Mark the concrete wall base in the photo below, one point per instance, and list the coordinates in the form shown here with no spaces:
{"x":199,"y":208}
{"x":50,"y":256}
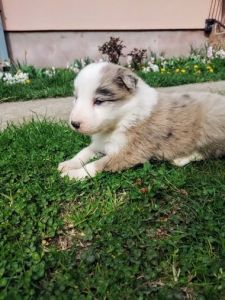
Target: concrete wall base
{"x":59,"y":48}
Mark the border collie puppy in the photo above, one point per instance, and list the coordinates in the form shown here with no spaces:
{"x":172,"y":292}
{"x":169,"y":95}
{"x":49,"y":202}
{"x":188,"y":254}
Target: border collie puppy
{"x":130,"y":123}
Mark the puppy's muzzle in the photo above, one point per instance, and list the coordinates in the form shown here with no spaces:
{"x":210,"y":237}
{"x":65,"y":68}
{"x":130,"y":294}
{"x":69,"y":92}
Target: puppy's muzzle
{"x":75,"y":125}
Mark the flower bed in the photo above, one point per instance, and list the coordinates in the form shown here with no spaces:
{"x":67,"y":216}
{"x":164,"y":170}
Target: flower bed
{"x":22,"y":82}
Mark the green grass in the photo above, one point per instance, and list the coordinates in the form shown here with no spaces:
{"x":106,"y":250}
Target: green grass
{"x":166,"y":80}
{"x":61,"y":84}
{"x":152,"y":232}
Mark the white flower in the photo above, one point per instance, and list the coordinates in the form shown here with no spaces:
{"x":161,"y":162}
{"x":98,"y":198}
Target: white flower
{"x":152,"y":59}
{"x":146,"y":69}
{"x":47,"y":72}
{"x":220,"y":53}
{"x":83,"y":64}
{"x":164,"y":63}
{"x":150,"y":68}
{"x":50,"y":72}
{"x":8,"y":77}
{"x":74,"y":69}
{"x":153,"y":67}
{"x":19,"y":77}
{"x":210,"y":52}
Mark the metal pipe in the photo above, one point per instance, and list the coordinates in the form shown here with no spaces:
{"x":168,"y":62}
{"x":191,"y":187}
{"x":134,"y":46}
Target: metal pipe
{"x":223,"y":11}
{"x":3,"y":48}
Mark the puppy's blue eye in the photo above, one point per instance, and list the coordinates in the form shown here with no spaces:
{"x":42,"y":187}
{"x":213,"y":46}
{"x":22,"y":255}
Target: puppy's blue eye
{"x":98,"y":102}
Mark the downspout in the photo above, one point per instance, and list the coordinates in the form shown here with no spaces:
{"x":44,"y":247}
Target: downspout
{"x":3,"y":48}
{"x":223,"y":11}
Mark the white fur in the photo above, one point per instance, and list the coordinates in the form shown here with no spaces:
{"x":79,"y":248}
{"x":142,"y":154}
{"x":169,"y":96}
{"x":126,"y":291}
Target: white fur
{"x":96,"y":121}
{"x":182,"y":161}
{"x":78,"y":161}
{"x":85,"y":171}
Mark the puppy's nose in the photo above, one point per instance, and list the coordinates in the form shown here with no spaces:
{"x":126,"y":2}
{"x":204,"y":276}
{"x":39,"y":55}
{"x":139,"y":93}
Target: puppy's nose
{"x":76,"y":125}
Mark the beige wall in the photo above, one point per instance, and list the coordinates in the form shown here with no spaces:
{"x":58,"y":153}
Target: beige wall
{"x":59,"y":48}
{"x":28,"y":15}
{"x":55,"y":32}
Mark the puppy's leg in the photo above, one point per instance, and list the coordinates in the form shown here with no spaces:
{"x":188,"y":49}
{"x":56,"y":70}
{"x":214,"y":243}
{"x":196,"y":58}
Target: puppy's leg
{"x":78,"y":160}
{"x":111,"y":163}
{"x":182,"y":161}
{"x":89,"y":170}
{"x":125,"y":160}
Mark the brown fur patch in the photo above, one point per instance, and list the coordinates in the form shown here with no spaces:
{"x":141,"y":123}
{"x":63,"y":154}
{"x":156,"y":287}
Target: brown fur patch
{"x":174,"y":130}
{"x":117,"y":83}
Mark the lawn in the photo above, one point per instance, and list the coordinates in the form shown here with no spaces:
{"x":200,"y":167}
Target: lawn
{"x":152,"y":232}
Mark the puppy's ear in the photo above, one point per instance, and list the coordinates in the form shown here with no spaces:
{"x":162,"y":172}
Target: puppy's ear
{"x":126,"y":79}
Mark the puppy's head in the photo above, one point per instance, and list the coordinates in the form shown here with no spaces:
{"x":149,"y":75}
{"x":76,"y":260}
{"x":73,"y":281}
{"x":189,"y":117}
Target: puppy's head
{"x":102,"y":95}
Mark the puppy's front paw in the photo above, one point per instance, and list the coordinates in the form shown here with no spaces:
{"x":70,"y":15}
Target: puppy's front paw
{"x":67,"y":165}
{"x":78,"y":174}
